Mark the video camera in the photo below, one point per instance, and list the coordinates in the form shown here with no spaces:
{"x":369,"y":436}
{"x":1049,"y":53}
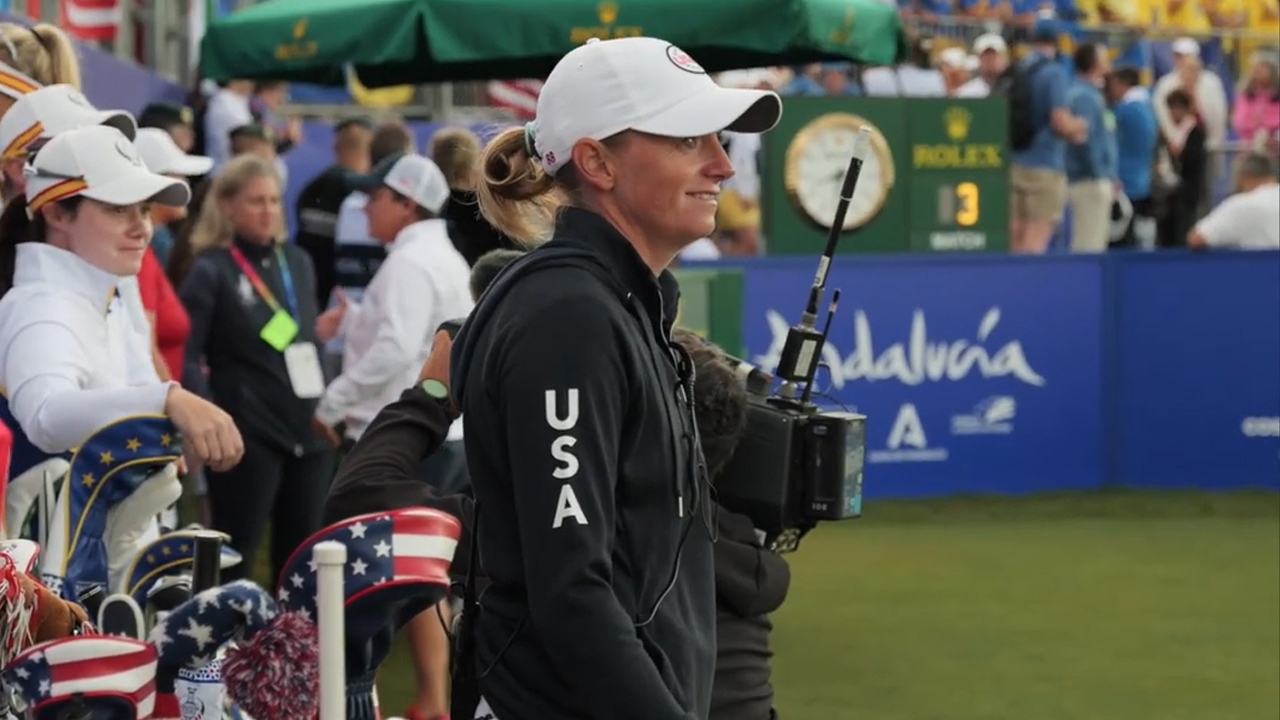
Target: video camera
{"x":798,"y":465}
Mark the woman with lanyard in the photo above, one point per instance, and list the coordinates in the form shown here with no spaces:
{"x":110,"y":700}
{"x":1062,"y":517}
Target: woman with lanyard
{"x":593,"y":508}
{"x":30,"y":58}
{"x":252,"y":302}
{"x":70,"y":358}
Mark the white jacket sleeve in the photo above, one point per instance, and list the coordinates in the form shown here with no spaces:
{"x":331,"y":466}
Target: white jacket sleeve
{"x":402,"y":325}
{"x":47,"y":395}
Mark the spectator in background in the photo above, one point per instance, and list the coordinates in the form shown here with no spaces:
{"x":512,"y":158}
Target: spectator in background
{"x":807,"y":82}
{"x":251,"y":298}
{"x":268,"y":98}
{"x":953,"y":63}
{"x":227,"y":110}
{"x":254,"y":139}
{"x":1091,"y":166}
{"x":1190,"y":157}
{"x":1249,"y":219}
{"x":162,"y":155}
{"x":356,"y":254}
{"x":456,"y":151}
{"x":1038,"y":176}
{"x":1257,"y":112}
{"x":319,"y":202}
{"x":993,"y":60}
{"x":1208,"y":100}
{"x":177,"y":120}
{"x":836,"y":81}
{"x":1137,"y":135}
{"x":916,"y":78}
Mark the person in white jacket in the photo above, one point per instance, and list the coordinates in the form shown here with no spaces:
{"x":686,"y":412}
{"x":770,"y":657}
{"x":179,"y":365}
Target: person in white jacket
{"x":1206,"y":88}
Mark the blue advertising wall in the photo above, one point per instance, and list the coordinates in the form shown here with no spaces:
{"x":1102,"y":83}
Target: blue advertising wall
{"x":1013,"y":375}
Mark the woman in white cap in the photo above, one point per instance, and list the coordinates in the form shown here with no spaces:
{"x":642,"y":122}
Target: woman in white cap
{"x":68,"y":363}
{"x":594,"y":519}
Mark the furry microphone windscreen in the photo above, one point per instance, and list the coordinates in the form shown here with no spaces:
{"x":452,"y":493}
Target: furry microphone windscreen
{"x":275,"y":675}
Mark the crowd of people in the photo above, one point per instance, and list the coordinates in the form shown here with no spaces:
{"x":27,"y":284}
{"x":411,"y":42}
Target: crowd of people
{"x":145,"y":272}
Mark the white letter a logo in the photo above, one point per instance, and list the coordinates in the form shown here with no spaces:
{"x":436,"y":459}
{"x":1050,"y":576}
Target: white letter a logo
{"x":567,"y":507}
{"x":907,"y":429}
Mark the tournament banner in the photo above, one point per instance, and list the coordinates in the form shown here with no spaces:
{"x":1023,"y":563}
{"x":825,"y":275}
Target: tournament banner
{"x":976,"y":374}
{"x":1198,"y":371}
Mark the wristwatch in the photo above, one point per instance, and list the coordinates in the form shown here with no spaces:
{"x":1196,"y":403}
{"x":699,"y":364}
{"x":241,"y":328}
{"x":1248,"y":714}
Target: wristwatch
{"x":435,"y":390}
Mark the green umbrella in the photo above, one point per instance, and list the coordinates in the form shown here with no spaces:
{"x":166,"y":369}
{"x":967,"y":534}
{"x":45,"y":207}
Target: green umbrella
{"x":392,"y":42}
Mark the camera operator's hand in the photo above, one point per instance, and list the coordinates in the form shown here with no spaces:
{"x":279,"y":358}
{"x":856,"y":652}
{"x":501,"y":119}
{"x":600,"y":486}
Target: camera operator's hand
{"x":210,"y":434}
{"x":330,"y":321}
{"x":437,"y":365}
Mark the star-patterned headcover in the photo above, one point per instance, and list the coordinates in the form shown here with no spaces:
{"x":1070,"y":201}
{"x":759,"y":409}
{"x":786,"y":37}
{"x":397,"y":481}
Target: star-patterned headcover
{"x":275,"y":644}
{"x":397,"y":566}
{"x":170,"y":554}
{"x":113,"y":677}
{"x":105,"y":470}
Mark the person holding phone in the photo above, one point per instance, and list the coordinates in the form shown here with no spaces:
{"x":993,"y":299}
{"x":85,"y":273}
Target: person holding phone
{"x":422,"y":283}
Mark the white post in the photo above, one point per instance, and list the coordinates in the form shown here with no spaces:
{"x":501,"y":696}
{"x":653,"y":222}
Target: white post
{"x":330,"y":557}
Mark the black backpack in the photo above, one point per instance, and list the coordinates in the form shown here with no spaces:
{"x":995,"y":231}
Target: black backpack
{"x":1015,"y":84}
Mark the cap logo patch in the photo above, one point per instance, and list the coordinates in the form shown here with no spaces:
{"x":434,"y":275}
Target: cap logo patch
{"x":76,"y":98}
{"x":681,"y":59}
{"x":126,"y":149}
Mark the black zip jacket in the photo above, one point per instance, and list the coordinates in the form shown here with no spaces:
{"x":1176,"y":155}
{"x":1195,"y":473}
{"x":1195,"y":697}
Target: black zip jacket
{"x":594,"y":523}
{"x":471,"y":234}
{"x":247,"y":377}
{"x":751,"y":582}
{"x":318,"y":206}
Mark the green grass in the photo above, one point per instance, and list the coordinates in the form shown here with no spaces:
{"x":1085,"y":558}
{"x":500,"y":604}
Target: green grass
{"x":1103,"y":606}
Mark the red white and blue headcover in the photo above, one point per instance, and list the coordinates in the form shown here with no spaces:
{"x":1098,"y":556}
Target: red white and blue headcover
{"x":277,"y":652}
{"x":397,"y":566}
{"x":113,"y":677}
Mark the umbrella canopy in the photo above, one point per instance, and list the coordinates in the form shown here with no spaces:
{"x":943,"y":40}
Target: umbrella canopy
{"x":393,"y":42}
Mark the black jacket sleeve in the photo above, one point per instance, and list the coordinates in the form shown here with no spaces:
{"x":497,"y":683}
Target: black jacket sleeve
{"x":381,"y":471}
{"x":563,"y":398}
{"x":750,"y":579}
{"x":199,"y":295}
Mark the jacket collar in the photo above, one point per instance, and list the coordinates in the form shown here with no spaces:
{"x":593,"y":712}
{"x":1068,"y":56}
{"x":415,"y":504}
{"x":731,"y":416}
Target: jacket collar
{"x":39,"y":263}
{"x":416,"y":232}
{"x":588,"y":231}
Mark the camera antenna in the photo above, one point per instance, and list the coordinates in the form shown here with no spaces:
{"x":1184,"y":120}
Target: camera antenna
{"x":826,"y":330}
{"x":801,"y":352}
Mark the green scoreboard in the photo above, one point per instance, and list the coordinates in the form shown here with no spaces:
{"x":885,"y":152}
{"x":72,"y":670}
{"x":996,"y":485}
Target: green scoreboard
{"x":937,"y":181}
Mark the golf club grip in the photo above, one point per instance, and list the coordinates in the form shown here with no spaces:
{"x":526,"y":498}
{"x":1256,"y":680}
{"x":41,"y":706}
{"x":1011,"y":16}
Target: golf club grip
{"x":206,"y":564}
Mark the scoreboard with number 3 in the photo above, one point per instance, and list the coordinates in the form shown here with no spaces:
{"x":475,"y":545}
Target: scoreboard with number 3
{"x":959,"y":175}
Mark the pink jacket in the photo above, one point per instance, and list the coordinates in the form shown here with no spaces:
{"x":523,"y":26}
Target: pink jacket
{"x":1259,"y":114}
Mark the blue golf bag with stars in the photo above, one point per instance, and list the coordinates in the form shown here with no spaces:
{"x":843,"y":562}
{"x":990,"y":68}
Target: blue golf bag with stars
{"x":119,"y":479}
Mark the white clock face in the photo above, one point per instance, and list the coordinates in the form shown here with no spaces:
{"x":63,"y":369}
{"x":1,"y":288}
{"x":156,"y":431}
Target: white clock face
{"x":819,"y":174}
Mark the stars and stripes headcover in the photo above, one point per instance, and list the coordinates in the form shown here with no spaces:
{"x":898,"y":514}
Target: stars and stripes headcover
{"x":114,"y":677}
{"x":273,"y":672}
{"x":106,"y":469}
{"x":397,"y":566}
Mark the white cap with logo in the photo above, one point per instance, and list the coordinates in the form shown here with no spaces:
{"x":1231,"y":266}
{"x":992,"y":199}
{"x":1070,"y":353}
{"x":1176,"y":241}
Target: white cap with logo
{"x":1186,"y":46}
{"x":990,"y":42}
{"x":51,"y":110}
{"x":413,"y":176}
{"x":644,"y":84}
{"x":162,"y":155}
{"x":100,"y":163}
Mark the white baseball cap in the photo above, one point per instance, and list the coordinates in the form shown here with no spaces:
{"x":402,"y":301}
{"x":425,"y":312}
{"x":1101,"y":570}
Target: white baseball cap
{"x":1186,"y":46}
{"x":639,"y":83}
{"x":954,"y":57}
{"x":162,"y":155}
{"x":412,"y":176}
{"x":992,"y":42}
{"x":43,"y":113}
{"x":100,"y":163}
